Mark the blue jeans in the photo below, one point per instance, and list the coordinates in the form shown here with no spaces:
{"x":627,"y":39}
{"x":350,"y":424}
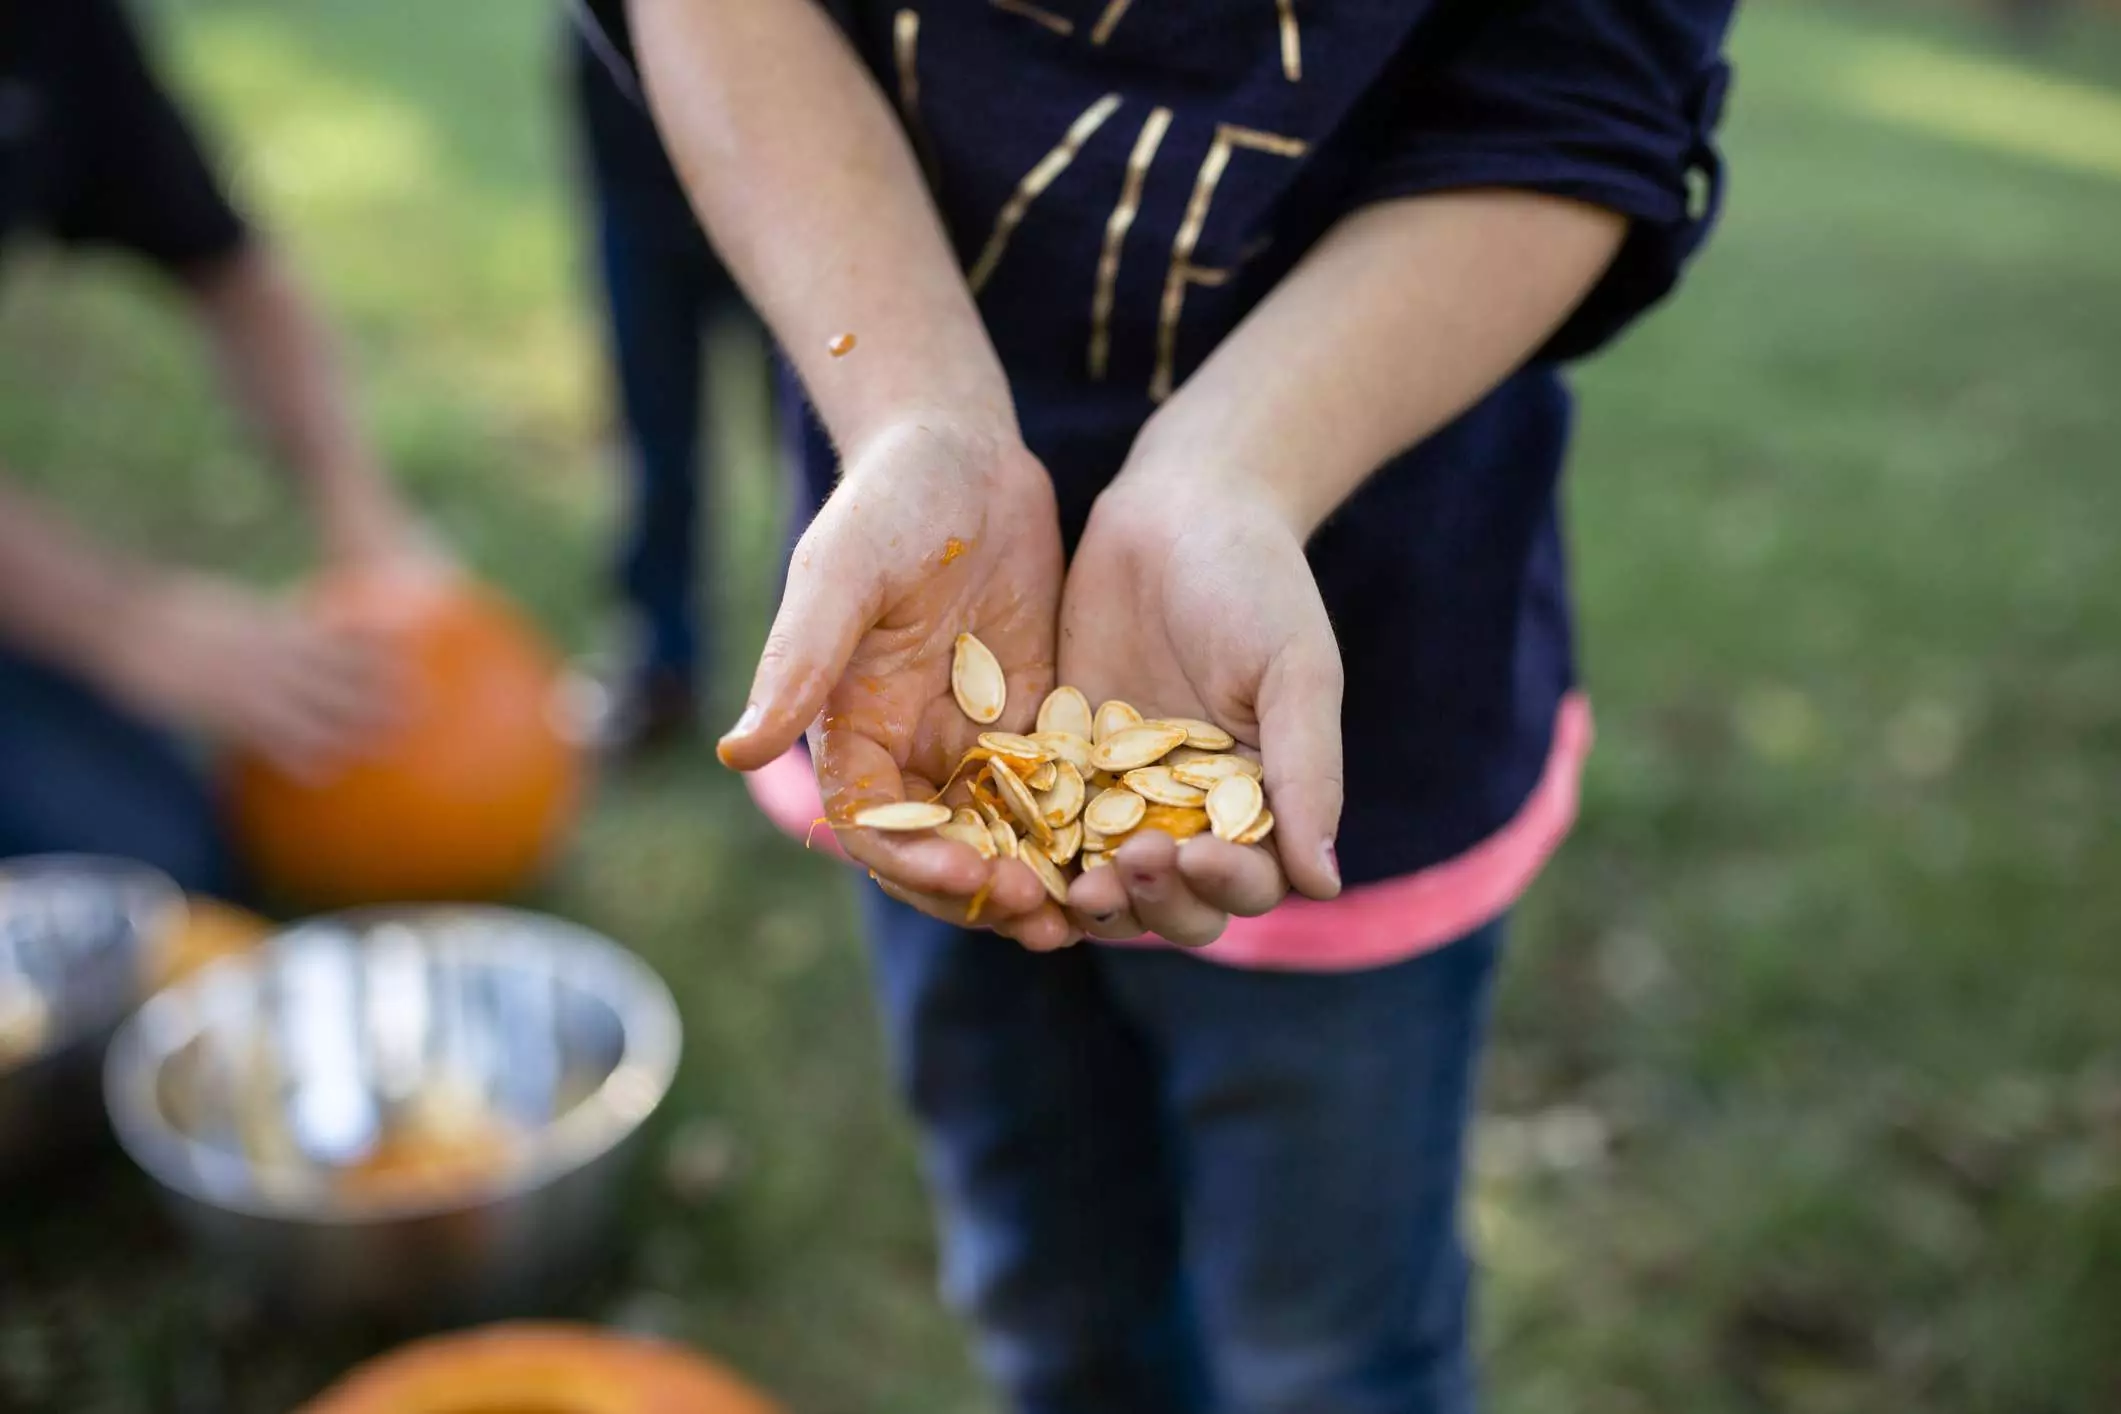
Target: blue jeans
{"x":662,"y":286}
{"x":1171,"y":1187}
{"x":80,"y":774}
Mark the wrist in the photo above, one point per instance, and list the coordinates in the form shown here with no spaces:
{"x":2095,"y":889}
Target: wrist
{"x":1186,"y":460}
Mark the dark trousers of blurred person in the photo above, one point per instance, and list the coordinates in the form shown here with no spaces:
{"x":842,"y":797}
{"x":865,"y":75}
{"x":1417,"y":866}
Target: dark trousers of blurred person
{"x":663,"y":288}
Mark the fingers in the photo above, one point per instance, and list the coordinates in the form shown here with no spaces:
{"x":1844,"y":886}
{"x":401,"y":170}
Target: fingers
{"x":1299,"y":747}
{"x":316,"y":700}
{"x":1159,"y":897}
{"x":824,"y":611}
{"x":1241,"y":880}
{"x":855,"y":772}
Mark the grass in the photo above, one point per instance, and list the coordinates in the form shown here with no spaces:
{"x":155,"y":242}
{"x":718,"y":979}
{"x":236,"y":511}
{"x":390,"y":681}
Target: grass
{"x":1805,"y":1094}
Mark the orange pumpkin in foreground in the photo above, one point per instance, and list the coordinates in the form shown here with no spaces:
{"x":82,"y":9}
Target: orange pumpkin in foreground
{"x":540,"y":1368}
{"x":467,"y":799}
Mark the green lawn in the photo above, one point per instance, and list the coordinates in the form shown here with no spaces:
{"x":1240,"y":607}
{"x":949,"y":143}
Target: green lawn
{"x":1806,"y":1094}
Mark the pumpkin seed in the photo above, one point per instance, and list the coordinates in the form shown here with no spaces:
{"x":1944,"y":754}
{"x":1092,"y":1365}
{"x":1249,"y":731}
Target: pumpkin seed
{"x":1114,"y":812}
{"x":1048,"y":873}
{"x":1259,"y":829}
{"x":1041,"y":776}
{"x":1004,"y":838}
{"x":1159,"y":786}
{"x":1135,"y":746}
{"x":976,"y":680}
{"x":1065,"y":746}
{"x":1065,"y":710}
{"x":903,"y":816}
{"x":1112,"y":718}
{"x":1206,"y":736}
{"x":1233,"y":805}
{"x":1018,"y":798}
{"x":1017,"y":748}
{"x":1095,"y":859}
{"x":1067,"y":840}
{"x":1061,"y":801}
{"x":976,"y":835}
{"x":1205,"y":770}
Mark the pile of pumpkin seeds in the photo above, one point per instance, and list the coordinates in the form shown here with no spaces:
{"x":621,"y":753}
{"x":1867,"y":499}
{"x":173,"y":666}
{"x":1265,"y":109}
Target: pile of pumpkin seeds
{"x":1067,"y":795}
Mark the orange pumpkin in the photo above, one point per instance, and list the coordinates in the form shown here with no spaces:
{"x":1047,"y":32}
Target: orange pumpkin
{"x":540,"y":1368}
{"x":210,"y":931}
{"x":467,"y":799}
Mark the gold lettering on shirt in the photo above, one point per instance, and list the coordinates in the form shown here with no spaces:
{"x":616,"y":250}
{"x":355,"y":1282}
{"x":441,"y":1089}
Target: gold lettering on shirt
{"x":905,"y":46}
{"x":1130,"y":200}
{"x":1109,"y":21}
{"x":1292,"y":42}
{"x":1228,"y":138}
{"x":1035,"y":181}
{"x":1057,"y":23}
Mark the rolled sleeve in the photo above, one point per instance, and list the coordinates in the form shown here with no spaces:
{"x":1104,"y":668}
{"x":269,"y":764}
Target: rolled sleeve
{"x":1610,"y":102}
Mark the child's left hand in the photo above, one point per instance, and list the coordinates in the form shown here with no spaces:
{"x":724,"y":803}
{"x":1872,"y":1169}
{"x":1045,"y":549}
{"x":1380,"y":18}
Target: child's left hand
{"x":1195,"y":600}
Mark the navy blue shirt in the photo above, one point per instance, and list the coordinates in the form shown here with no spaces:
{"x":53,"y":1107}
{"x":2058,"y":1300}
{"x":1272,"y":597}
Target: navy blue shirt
{"x":93,"y":151}
{"x":1125,"y":179}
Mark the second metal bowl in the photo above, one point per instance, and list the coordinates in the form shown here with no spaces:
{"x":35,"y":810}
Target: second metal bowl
{"x":255,"y":1092}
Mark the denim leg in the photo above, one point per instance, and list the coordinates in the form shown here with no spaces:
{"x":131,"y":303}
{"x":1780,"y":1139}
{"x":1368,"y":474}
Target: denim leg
{"x":78,"y":774}
{"x":1046,"y":1158}
{"x":661,"y":285}
{"x":1321,"y":1124}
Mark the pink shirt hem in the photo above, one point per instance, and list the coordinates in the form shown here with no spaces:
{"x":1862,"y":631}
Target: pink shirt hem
{"x":1370,"y":925}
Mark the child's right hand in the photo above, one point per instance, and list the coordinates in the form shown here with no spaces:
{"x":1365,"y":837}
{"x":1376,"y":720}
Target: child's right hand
{"x":934,"y":530}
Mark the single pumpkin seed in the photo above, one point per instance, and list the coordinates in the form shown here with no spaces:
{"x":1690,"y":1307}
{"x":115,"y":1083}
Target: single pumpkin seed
{"x":1114,"y":812}
{"x":1004,"y":838}
{"x":1067,"y":840}
{"x":1062,"y":800}
{"x":1065,"y":746}
{"x":1159,"y":786}
{"x":1135,"y":746}
{"x":1261,"y":826}
{"x":1065,"y":710}
{"x":1205,"y":771}
{"x":1017,"y":748}
{"x":1018,"y":798}
{"x":976,"y":680}
{"x":903,"y":816}
{"x":976,"y":835}
{"x":1112,"y":718}
{"x":1042,"y":776}
{"x":1233,"y":805}
{"x":1048,"y":873}
{"x":1095,"y":859}
{"x":1203,"y":736}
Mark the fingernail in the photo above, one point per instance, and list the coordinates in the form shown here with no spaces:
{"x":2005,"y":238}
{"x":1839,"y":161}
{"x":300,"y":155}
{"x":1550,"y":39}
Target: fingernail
{"x":748,"y":723}
{"x":1331,"y":860}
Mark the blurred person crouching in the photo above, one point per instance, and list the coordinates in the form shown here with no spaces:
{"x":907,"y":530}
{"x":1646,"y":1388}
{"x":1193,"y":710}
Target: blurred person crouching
{"x":108,"y":665}
{"x":662,"y":290}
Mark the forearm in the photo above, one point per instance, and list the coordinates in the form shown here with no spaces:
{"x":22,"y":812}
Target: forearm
{"x":813,"y":196}
{"x":284,"y":373}
{"x":62,"y":599}
{"x":1405,"y":315}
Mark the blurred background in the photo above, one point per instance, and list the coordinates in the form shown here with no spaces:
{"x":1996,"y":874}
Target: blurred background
{"x":1806,"y":1092}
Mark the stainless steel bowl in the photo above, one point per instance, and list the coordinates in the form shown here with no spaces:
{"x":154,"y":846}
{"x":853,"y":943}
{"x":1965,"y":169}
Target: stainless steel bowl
{"x":74,"y":935}
{"x":254,"y":1090}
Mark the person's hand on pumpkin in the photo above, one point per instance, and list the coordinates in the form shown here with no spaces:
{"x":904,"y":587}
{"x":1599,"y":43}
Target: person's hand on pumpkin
{"x":1187,"y":599}
{"x":935,"y":529}
{"x":251,"y":670}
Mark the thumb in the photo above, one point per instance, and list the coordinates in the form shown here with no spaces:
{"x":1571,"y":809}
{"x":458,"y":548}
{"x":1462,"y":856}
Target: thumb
{"x":1300,"y":752}
{"x":824,"y":611}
